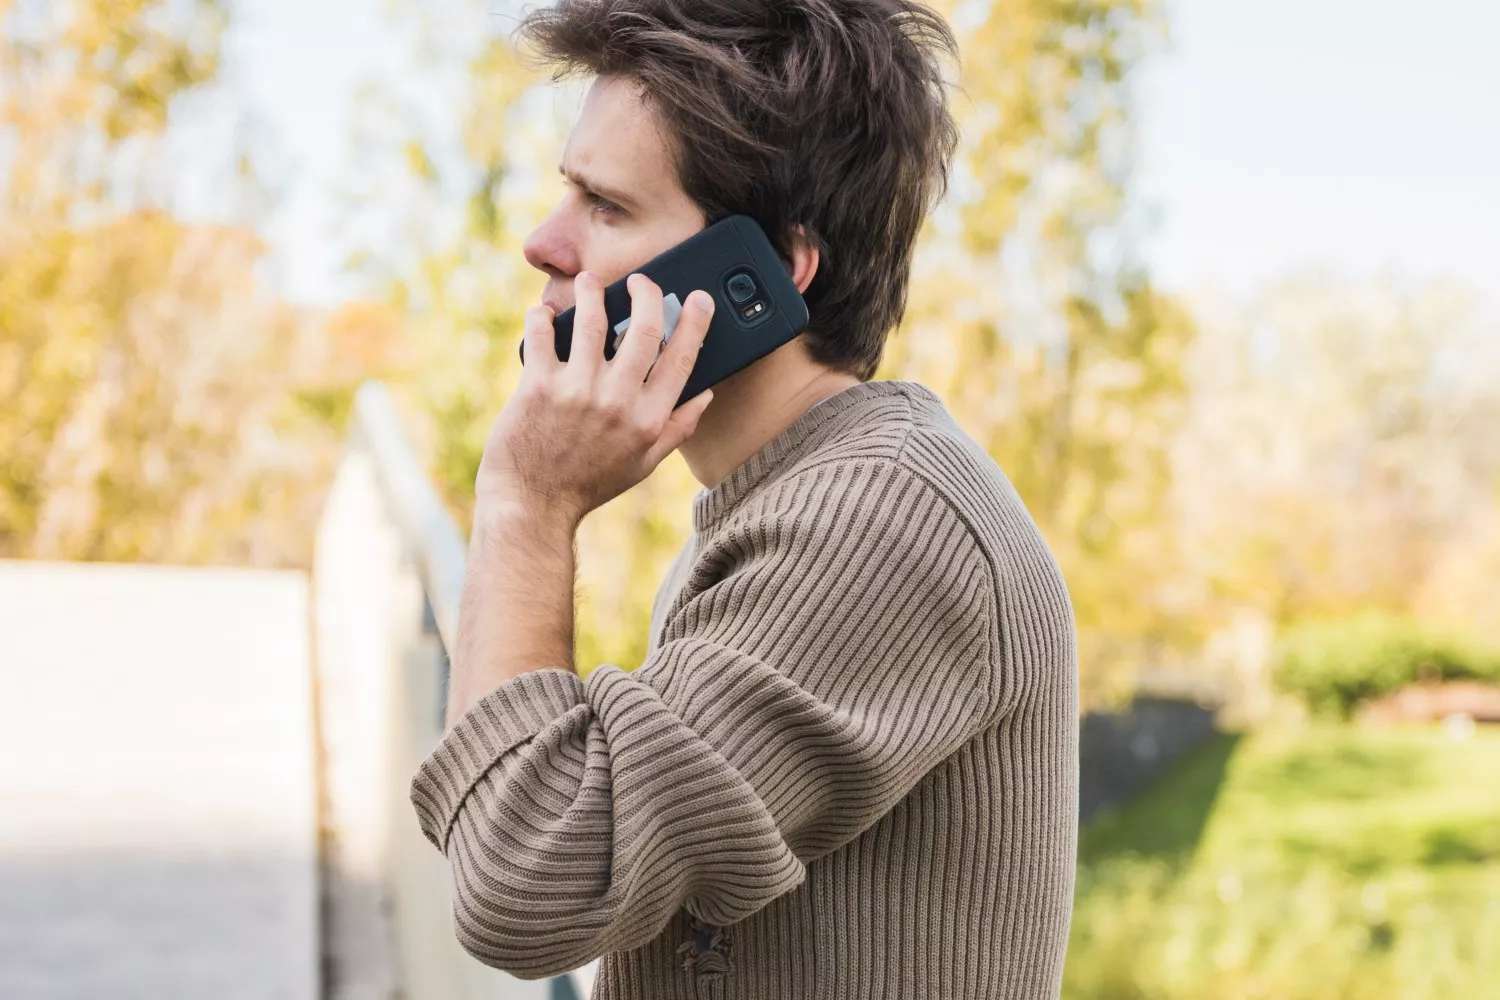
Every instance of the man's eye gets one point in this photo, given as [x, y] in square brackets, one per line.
[601, 206]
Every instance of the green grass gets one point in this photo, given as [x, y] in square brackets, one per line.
[1336, 862]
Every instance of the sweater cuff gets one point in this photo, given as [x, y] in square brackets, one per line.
[508, 716]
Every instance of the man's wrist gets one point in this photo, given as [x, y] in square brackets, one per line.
[503, 513]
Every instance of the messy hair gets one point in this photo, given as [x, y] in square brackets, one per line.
[826, 114]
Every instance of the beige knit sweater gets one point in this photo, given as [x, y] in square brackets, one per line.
[847, 768]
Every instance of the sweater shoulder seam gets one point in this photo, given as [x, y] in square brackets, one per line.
[994, 640]
[992, 570]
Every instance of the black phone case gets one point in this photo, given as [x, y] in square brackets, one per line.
[705, 261]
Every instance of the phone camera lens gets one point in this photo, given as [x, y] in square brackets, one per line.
[741, 288]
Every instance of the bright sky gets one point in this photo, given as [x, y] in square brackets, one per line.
[301, 64]
[1356, 134]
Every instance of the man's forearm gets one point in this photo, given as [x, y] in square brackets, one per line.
[516, 612]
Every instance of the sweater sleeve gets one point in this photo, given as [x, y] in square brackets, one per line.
[831, 646]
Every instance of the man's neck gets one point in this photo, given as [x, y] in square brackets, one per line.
[754, 405]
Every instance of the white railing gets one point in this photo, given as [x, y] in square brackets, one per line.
[389, 567]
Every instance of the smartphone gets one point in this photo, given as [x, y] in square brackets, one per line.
[757, 307]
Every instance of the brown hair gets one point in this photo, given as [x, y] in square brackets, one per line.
[830, 114]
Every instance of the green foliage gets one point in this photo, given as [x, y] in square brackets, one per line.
[1336, 863]
[1332, 665]
[328, 405]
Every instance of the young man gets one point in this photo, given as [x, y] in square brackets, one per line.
[848, 766]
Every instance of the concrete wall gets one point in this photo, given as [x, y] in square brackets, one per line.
[158, 834]
[1122, 753]
[380, 673]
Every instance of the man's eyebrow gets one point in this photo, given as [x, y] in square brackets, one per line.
[595, 188]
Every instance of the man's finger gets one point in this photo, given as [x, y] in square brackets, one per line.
[586, 354]
[680, 427]
[642, 340]
[540, 340]
[672, 369]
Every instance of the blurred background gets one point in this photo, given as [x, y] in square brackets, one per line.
[1217, 286]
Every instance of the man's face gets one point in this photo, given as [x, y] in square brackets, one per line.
[623, 204]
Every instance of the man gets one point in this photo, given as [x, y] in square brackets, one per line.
[847, 767]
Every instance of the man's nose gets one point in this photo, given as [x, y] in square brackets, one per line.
[551, 247]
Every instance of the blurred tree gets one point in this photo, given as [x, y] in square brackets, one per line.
[80, 81]
[147, 379]
[1031, 316]
[1341, 452]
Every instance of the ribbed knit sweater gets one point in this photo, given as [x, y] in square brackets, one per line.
[846, 770]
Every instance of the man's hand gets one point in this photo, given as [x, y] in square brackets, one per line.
[577, 434]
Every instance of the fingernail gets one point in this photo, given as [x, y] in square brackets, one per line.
[703, 300]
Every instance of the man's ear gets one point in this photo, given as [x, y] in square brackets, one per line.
[804, 258]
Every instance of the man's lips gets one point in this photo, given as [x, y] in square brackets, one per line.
[557, 298]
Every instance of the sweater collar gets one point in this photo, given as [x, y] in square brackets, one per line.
[712, 505]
